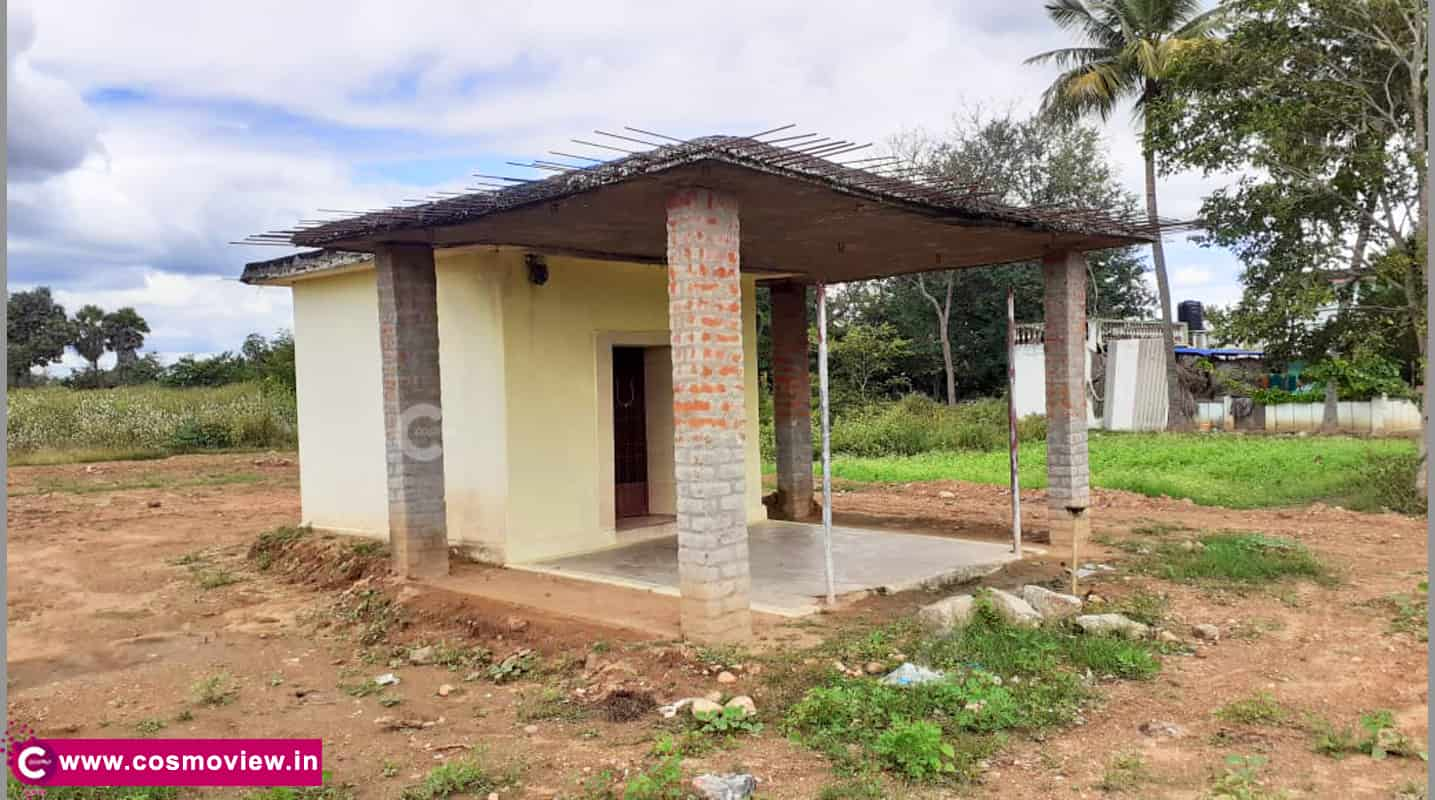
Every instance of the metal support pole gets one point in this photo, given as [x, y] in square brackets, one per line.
[826, 441]
[1012, 422]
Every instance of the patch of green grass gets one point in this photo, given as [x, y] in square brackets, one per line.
[865, 787]
[998, 678]
[547, 703]
[362, 689]
[1147, 608]
[461, 776]
[1377, 737]
[1259, 709]
[1251, 559]
[219, 689]
[1241, 781]
[214, 578]
[727, 722]
[150, 726]
[915, 749]
[661, 781]
[1410, 613]
[52, 422]
[1158, 528]
[61, 484]
[16, 789]
[329, 791]
[1124, 772]
[1230, 471]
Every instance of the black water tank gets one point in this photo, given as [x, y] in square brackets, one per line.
[1189, 312]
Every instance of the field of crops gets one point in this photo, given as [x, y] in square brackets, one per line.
[60, 424]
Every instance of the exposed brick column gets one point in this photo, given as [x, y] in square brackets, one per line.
[408, 339]
[705, 320]
[1068, 481]
[791, 403]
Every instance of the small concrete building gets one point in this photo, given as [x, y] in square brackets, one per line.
[567, 364]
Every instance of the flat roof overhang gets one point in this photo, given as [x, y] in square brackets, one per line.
[804, 225]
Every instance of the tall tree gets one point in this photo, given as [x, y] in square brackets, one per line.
[124, 334]
[1128, 48]
[37, 333]
[90, 338]
[951, 316]
[1321, 104]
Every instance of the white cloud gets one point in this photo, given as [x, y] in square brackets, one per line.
[49, 128]
[210, 121]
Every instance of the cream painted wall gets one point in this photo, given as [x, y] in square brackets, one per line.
[524, 424]
[475, 407]
[343, 484]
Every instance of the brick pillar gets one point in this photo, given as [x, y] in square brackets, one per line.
[705, 320]
[791, 404]
[1068, 480]
[408, 339]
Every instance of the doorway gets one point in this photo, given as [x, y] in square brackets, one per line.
[630, 434]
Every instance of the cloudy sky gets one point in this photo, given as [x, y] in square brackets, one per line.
[143, 137]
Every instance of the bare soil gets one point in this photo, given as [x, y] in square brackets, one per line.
[111, 623]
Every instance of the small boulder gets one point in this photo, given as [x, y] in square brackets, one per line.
[703, 706]
[947, 615]
[1013, 609]
[516, 624]
[1158, 728]
[742, 701]
[445, 690]
[423, 656]
[1167, 637]
[1104, 624]
[725, 787]
[530, 729]
[875, 668]
[1051, 605]
[946, 495]
[1207, 631]
[726, 677]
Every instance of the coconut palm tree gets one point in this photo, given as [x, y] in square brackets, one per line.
[1127, 49]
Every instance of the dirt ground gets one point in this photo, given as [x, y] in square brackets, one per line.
[129, 582]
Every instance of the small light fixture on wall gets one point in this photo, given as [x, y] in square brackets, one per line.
[537, 269]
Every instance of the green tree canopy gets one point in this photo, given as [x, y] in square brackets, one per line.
[37, 333]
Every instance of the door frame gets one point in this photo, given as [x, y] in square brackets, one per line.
[603, 344]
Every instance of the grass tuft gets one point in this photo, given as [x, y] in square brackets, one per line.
[1242, 558]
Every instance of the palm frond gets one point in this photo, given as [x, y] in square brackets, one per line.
[1087, 89]
[1066, 57]
[1202, 25]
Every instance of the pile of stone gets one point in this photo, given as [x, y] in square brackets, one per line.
[1030, 607]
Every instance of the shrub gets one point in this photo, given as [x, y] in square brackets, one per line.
[916, 750]
[918, 424]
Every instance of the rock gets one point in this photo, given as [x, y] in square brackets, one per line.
[726, 677]
[387, 679]
[742, 701]
[1167, 637]
[445, 690]
[875, 668]
[423, 656]
[946, 495]
[948, 614]
[703, 706]
[714, 695]
[725, 787]
[1049, 604]
[1013, 609]
[1159, 728]
[154, 504]
[516, 624]
[1207, 631]
[1103, 624]
[530, 729]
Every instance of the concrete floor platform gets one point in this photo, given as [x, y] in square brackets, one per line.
[787, 564]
